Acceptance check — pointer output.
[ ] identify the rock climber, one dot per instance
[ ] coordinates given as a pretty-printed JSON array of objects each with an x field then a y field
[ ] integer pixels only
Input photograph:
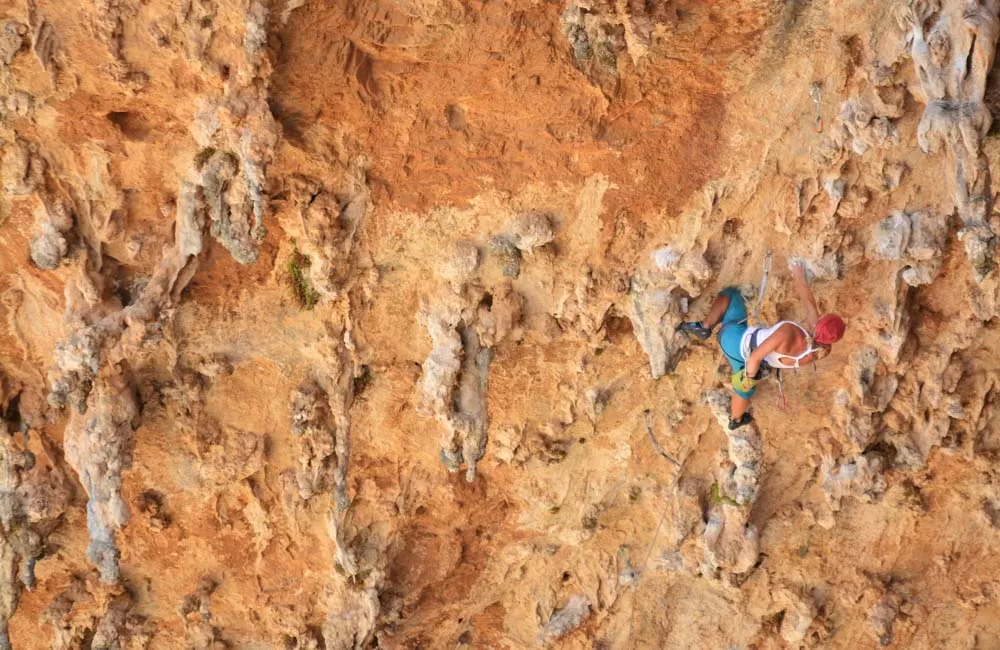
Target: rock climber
[{"x": 752, "y": 350}]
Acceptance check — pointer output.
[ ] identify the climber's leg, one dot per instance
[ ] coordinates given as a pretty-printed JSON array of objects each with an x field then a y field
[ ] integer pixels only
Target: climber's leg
[
  {"x": 738, "y": 410},
  {"x": 717, "y": 310},
  {"x": 728, "y": 307},
  {"x": 740, "y": 402},
  {"x": 735, "y": 310},
  {"x": 730, "y": 336}
]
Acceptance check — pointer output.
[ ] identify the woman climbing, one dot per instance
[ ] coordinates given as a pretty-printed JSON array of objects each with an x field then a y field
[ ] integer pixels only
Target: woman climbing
[{"x": 750, "y": 349}]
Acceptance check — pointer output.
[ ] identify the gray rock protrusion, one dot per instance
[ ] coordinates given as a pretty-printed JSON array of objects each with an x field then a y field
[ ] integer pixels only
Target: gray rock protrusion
[
  {"x": 730, "y": 542},
  {"x": 228, "y": 207},
  {"x": 100, "y": 330},
  {"x": 120, "y": 626},
  {"x": 745, "y": 452},
  {"x": 99, "y": 447},
  {"x": 916, "y": 239},
  {"x": 353, "y": 605},
  {"x": 465, "y": 323},
  {"x": 22, "y": 168},
  {"x": 566, "y": 619},
  {"x": 92, "y": 372},
  {"x": 530, "y": 230},
  {"x": 857, "y": 410},
  {"x": 860, "y": 477},
  {"x": 655, "y": 305},
  {"x": 799, "y": 614},
  {"x": 24, "y": 171},
  {"x": 326, "y": 229},
  {"x": 322, "y": 423},
  {"x": 196, "y": 613},
  {"x": 953, "y": 45},
  {"x": 88, "y": 615},
  {"x": 504, "y": 249},
  {"x": 50, "y": 245},
  {"x": 864, "y": 122},
  {"x": 599, "y": 34},
  {"x": 109, "y": 27},
  {"x": 883, "y": 615},
  {"x": 238, "y": 137},
  {"x": 13, "y": 37},
  {"x": 20, "y": 546}
]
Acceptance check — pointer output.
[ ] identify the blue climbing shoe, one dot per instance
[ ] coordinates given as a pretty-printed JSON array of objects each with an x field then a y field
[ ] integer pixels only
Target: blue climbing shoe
[{"x": 695, "y": 328}]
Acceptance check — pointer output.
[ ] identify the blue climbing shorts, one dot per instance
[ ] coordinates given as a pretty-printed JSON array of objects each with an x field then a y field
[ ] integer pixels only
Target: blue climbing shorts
[{"x": 734, "y": 325}]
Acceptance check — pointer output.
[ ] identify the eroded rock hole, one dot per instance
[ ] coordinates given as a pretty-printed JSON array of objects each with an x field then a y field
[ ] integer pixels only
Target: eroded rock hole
[
  {"x": 132, "y": 125},
  {"x": 992, "y": 511},
  {"x": 12, "y": 415},
  {"x": 969, "y": 59},
  {"x": 619, "y": 328},
  {"x": 455, "y": 115}
]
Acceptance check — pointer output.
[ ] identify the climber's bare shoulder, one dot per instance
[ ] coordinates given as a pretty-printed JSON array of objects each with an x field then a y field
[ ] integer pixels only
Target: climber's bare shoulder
[{"x": 790, "y": 340}]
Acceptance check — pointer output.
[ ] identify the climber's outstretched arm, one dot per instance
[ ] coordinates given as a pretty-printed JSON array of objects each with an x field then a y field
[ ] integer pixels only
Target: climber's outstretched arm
[{"x": 805, "y": 295}]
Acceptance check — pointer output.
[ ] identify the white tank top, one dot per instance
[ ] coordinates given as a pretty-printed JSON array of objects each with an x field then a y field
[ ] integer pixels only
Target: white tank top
[{"x": 775, "y": 359}]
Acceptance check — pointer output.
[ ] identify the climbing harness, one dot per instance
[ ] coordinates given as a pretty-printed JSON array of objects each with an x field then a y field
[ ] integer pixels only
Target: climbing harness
[
  {"x": 815, "y": 93},
  {"x": 740, "y": 379}
]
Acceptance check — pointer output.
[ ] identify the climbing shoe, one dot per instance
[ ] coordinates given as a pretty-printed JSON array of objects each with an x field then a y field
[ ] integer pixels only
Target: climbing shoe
[
  {"x": 746, "y": 418},
  {"x": 695, "y": 328}
]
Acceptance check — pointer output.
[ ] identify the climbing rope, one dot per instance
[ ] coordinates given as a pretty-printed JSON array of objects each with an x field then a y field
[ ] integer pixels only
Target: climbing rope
[
  {"x": 816, "y": 93},
  {"x": 763, "y": 286},
  {"x": 648, "y": 416},
  {"x": 768, "y": 259}
]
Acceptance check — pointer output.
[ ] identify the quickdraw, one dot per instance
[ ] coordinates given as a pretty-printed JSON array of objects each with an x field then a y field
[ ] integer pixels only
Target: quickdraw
[
  {"x": 782, "y": 402},
  {"x": 815, "y": 93}
]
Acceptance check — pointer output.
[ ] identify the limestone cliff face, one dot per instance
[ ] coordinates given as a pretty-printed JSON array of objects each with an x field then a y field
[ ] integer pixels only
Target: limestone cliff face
[{"x": 336, "y": 324}]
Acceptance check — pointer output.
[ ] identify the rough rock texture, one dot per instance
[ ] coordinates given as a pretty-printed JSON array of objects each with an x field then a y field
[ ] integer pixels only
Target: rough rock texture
[
  {"x": 465, "y": 323},
  {"x": 265, "y": 264},
  {"x": 953, "y": 45},
  {"x": 33, "y": 495},
  {"x": 731, "y": 541},
  {"x": 99, "y": 446},
  {"x": 658, "y": 296}
]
